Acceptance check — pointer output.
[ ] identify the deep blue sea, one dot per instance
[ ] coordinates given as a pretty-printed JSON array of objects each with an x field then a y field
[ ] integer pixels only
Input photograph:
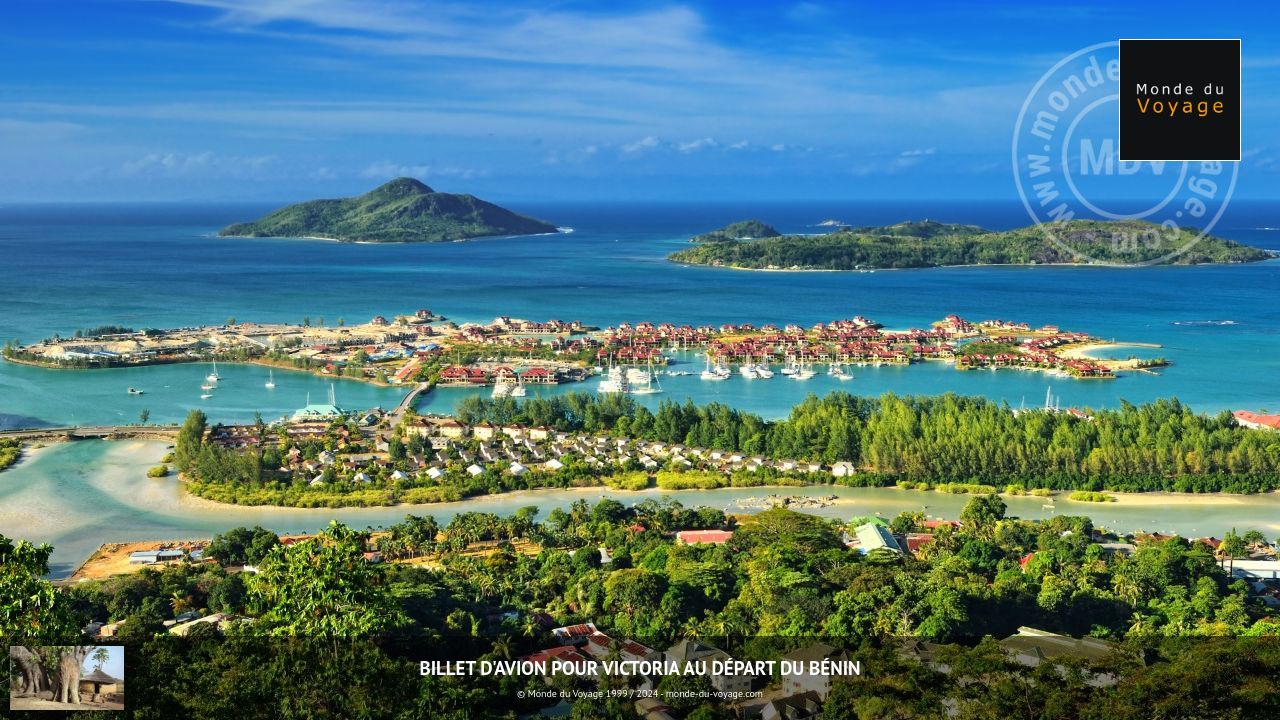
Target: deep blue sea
[{"x": 70, "y": 267}]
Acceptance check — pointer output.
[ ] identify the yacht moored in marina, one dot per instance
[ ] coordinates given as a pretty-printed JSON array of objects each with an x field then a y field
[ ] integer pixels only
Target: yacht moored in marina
[
  {"x": 718, "y": 372},
  {"x": 615, "y": 382}
]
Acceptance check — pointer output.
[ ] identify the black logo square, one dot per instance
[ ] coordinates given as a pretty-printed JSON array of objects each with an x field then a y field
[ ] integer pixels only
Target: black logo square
[{"x": 1179, "y": 100}]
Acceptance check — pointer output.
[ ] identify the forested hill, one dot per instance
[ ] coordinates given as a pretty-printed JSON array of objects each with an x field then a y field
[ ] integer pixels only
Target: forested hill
[
  {"x": 403, "y": 210},
  {"x": 933, "y": 244},
  {"x": 744, "y": 230}
]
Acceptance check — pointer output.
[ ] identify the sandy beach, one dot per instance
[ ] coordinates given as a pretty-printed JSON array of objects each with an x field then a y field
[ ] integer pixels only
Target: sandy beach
[{"x": 1099, "y": 353}]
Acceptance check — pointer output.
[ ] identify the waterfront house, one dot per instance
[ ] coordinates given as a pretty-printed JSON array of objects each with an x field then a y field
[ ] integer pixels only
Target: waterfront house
[
  {"x": 517, "y": 469},
  {"x": 1257, "y": 421},
  {"x": 483, "y": 430},
  {"x": 474, "y": 470},
  {"x": 553, "y": 465}
]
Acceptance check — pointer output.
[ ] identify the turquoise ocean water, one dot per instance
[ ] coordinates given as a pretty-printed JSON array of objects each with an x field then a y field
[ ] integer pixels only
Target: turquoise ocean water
[
  {"x": 65, "y": 268},
  {"x": 70, "y": 267}
]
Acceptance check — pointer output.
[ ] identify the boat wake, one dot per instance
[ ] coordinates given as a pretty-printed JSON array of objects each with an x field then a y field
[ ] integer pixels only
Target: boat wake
[{"x": 1205, "y": 323}]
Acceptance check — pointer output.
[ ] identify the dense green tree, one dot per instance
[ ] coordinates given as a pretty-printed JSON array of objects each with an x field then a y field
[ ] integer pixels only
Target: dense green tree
[{"x": 323, "y": 587}]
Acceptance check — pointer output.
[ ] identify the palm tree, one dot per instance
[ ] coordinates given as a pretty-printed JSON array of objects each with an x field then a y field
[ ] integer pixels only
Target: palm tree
[
  {"x": 179, "y": 603},
  {"x": 502, "y": 647}
]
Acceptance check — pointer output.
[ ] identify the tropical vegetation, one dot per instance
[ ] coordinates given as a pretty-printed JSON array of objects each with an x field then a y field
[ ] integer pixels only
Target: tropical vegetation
[
  {"x": 933, "y": 244},
  {"x": 402, "y": 210}
]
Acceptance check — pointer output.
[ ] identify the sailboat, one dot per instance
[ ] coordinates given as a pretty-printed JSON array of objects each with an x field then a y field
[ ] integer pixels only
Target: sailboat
[
  {"x": 518, "y": 390},
  {"x": 647, "y": 386},
  {"x": 271, "y": 380},
  {"x": 213, "y": 375},
  {"x": 615, "y": 382},
  {"x": 837, "y": 372},
  {"x": 717, "y": 373},
  {"x": 802, "y": 372}
]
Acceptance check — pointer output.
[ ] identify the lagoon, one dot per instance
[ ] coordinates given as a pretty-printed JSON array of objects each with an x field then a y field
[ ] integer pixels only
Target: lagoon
[{"x": 79, "y": 495}]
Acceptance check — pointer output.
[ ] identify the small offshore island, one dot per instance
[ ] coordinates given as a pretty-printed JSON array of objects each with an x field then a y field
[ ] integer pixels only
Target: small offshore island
[
  {"x": 402, "y": 210},
  {"x": 753, "y": 245}
]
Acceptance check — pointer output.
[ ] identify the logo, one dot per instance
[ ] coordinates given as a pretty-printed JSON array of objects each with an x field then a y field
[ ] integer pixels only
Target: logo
[{"x": 1067, "y": 167}]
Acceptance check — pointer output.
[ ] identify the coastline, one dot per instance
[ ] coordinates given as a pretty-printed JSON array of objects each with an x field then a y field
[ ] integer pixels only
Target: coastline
[
  {"x": 1114, "y": 266},
  {"x": 1134, "y": 499}
]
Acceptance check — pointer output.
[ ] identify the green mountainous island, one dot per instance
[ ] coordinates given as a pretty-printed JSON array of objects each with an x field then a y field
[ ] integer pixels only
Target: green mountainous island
[
  {"x": 744, "y": 230},
  {"x": 923, "y": 244},
  {"x": 402, "y": 210}
]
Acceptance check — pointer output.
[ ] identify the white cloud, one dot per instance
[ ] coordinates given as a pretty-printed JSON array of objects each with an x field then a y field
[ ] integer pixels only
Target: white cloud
[
  {"x": 644, "y": 144},
  {"x": 890, "y": 165},
  {"x": 198, "y": 165},
  {"x": 385, "y": 170},
  {"x": 696, "y": 145},
  {"x": 740, "y": 145}
]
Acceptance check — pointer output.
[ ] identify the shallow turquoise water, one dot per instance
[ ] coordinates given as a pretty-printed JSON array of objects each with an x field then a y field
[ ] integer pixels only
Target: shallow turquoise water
[{"x": 79, "y": 495}]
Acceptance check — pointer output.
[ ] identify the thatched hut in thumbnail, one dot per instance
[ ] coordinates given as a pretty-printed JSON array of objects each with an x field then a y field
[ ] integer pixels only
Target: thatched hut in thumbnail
[{"x": 100, "y": 684}]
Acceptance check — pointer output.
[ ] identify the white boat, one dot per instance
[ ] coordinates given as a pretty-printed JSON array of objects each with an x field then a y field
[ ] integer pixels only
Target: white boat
[
  {"x": 206, "y": 396},
  {"x": 518, "y": 390},
  {"x": 501, "y": 388},
  {"x": 213, "y": 375},
  {"x": 802, "y": 373},
  {"x": 135, "y": 391},
  {"x": 789, "y": 369},
  {"x": 763, "y": 372},
  {"x": 208, "y": 386},
  {"x": 271, "y": 380},
  {"x": 615, "y": 382},
  {"x": 719, "y": 372},
  {"x": 648, "y": 386},
  {"x": 636, "y": 376},
  {"x": 837, "y": 372}
]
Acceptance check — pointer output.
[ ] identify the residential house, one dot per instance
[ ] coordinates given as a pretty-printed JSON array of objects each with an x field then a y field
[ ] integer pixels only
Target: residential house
[
  {"x": 687, "y": 651},
  {"x": 816, "y": 683}
]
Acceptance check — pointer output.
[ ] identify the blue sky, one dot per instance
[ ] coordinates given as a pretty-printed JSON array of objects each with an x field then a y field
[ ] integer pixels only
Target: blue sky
[
  {"x": 286, "y": 99},
  {"x": 114, "y": 665}
]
